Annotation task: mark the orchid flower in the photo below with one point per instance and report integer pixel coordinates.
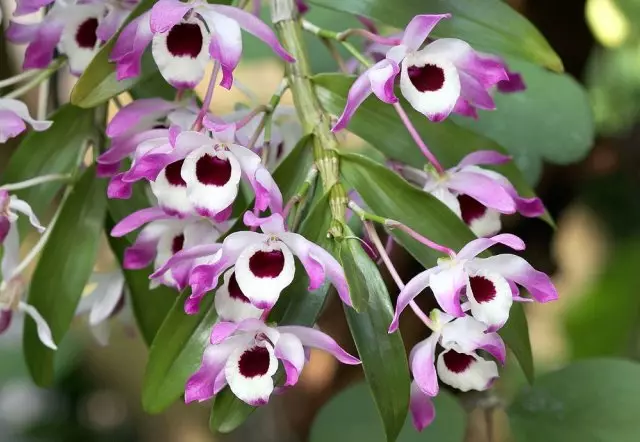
(445, 76)
(13, 115)
(12, 287)
(163, 237)
(231, 303)
(185, 37)
(263, 263)
(490, 285)
(76, 28)
(245, 357)
(477, 196)
(104, 300)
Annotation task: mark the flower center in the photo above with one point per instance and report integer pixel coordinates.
(185, 39)
(254, 362)
(457, 362)
(234, 290)
(427, 78)
(172, 172)
(177, 243)
(482, 288)
(86, 33)
(212, 170)
(267, 264)
(470, 208)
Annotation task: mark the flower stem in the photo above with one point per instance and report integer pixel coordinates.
(37, 79)
(392, 224)
(302, 191)
(197, 125)
(267, 117)
(35, 181)
(384, 256)
(416, 137)
(313, 117)
(18, 78)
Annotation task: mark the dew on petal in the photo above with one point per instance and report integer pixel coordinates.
(185, 39)
(470, 209)
(267, 264)
(427, 78)
(212, 170)
(86, 33)
(177, 244)
(234, 290)
(483, 289)
(457, 362)
(254, 362)
(172, 172)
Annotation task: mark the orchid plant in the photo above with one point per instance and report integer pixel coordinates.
(245, 223)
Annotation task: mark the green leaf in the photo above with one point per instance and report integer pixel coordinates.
(356, 265)
(351, 416)
(175, 353)
(590, 401)
(551, 120)
(63, 270)
(56, 150)
(302, 308)
(379, 125)
(293, 170)
(382, 354)
(488, 25)
(596, 305)
(389, 196)
(98, 82)
(516, 335)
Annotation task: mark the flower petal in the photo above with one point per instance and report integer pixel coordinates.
(44, 332)
(477, 246)
(130, 45)
(419, 29)
(517, 269)
(422, 362)
(413, 288)
(21, 33)
(108, 294)
(313, 338)
(468, 334)
(20, 109)
(165, 14)
(483, 189)
(144, 249)
(137, 220)
(24, 7)
(231, 303)
(5, 319)
(141, 112)
(483, 157)
(79, 41)
(446, 285)
(466, 371)
(10, 253)
(226, 44)
(266, 190)
(421, 407)
(289, 350)
(490, 297)
(39, 53)
(171, 190)
(23, 207)
(263, 270)
(249, 370)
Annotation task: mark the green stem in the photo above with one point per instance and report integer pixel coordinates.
(313, 117)
(37, 79)
(339, 37)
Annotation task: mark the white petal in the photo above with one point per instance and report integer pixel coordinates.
(263, 270)
(170, 192)
(101, 332)
(438, 85)
(466, 371)
(212, 178)
(231, 304)
(200, 231)
(447, 198)
(490, 297)
(249, 370)
(106, 297)
(177, 55)
(486, 225)
(24, 207)
(79, 40)
(44, 332)
(171, 242)
(11, 252)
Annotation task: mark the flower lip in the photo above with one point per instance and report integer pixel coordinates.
(177, 243)
(483, 289)
(172, 172)
(185, 39)
(86, 34)
(427, 78)
(254, 362)
(470, 208)
(457, 362)
(235, 291)
(212, 170)
(267, 264)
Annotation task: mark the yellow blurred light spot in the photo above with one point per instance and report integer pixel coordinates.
(608, 23)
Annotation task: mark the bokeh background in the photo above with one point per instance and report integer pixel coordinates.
(593, 255)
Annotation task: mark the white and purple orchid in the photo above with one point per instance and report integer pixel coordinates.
(164, 236)
(477, 196)
(185, 37)
(245, 357)
(445, 76)
(458, 364)
(13, 115)
(263, 263)
(76, 28)
(490, 285)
